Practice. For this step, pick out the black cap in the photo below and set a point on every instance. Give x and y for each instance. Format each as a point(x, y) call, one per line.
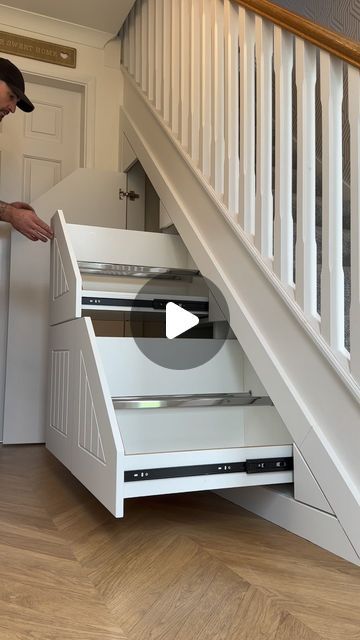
point(15, 81)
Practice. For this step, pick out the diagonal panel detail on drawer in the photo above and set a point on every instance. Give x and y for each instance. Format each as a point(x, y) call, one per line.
point(89, 437)
point(60, 284)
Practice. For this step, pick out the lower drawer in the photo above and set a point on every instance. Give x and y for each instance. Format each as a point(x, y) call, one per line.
point(181, 449)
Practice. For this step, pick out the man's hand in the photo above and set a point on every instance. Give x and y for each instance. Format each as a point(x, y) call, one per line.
point(24, 219)
point(21, 205)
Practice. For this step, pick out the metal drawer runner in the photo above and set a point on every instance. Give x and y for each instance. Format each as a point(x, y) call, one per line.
point(191, 400)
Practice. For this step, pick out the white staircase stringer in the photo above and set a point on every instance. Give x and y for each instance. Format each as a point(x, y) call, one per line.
point(319, 406)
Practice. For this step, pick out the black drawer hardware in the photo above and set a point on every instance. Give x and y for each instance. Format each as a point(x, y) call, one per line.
point(196, 307)
point(269, 464)
point(263, 465)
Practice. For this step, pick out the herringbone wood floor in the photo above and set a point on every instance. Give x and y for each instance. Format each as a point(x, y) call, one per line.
point(186, 567)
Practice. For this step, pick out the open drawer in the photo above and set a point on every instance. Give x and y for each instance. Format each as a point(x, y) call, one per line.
point(128, 427)
point(102, 269)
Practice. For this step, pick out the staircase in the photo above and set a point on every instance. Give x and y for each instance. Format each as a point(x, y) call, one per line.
point(200, 79)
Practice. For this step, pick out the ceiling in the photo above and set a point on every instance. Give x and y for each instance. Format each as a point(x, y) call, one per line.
point(103, 15)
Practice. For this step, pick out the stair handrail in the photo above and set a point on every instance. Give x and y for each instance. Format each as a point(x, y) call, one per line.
point(335, 43)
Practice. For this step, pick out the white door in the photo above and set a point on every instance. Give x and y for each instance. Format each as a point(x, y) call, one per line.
point(40, 148)
point(37, 150)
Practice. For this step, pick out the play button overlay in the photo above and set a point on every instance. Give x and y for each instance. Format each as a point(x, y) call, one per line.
point(179, 323)
point(178, 320)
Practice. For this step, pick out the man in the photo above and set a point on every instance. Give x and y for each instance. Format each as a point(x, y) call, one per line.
point(19, 214)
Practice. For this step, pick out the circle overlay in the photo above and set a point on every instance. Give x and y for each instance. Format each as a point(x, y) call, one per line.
point(192, 348)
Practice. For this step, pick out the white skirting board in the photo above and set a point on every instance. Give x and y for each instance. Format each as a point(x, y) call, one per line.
point(279, 506)
point(306, 489)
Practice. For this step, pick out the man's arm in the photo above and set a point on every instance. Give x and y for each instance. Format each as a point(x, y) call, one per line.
point(24, 219)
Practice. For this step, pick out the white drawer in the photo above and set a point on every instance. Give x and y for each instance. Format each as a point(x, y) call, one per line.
point(181, 449)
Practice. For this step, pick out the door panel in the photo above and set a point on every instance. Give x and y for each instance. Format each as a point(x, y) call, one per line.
point(39, 176)
point(45, 123)
point(50, 133)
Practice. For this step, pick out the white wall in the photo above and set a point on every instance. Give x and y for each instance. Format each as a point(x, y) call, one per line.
point(98, 71)
point(92, 66)
point(85, 196)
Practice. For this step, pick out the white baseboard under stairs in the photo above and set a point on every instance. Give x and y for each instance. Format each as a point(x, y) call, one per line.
point(279, 506)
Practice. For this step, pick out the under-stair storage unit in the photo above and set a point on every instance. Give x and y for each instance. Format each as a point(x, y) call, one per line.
point(123, 424)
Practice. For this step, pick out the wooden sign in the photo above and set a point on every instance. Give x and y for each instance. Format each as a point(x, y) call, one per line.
point(37, 49)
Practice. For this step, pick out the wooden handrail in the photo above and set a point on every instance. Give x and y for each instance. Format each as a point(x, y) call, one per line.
point(338, 45)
